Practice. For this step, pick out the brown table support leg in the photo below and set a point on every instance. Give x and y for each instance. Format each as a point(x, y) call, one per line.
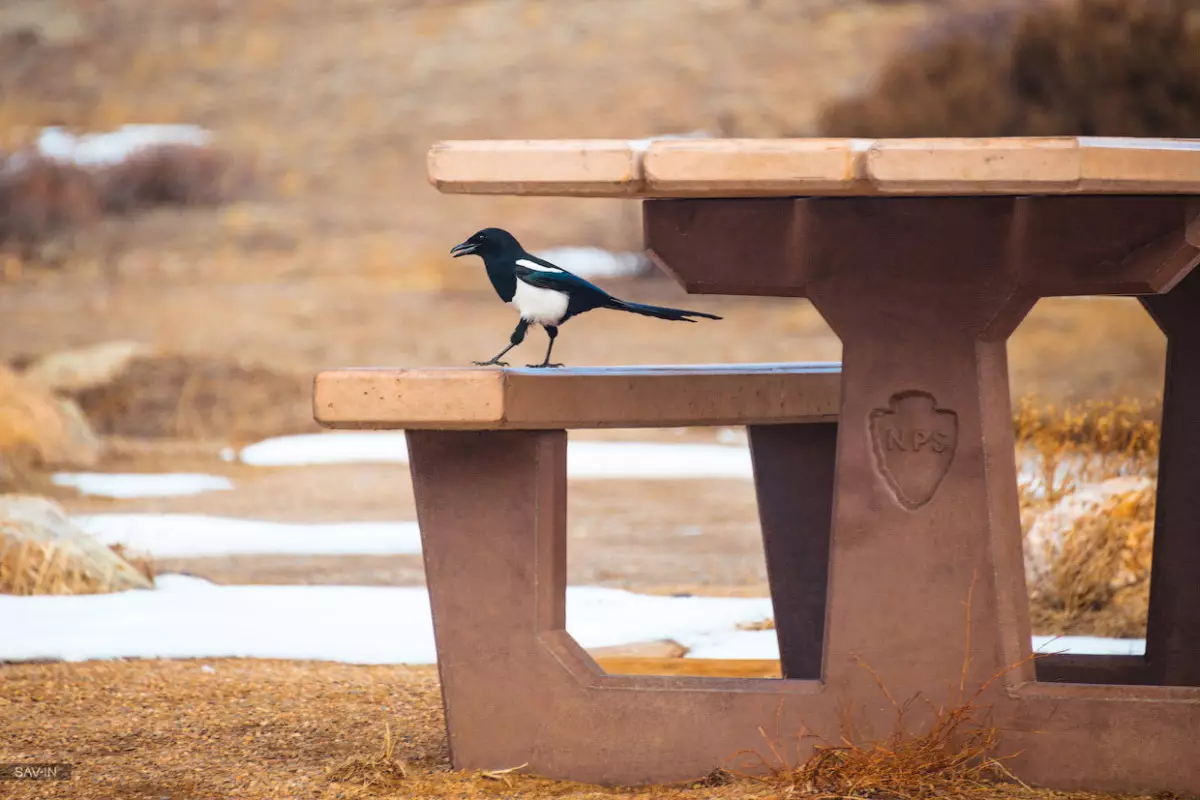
point(1173, 635)
point(925, 513)
point(923, 293)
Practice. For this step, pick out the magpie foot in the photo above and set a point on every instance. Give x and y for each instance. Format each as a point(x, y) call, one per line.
point(543, 366)
point(492, 363)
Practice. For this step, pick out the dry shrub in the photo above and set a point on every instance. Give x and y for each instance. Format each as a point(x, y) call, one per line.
point(43, 568)
point(956, 755)
point(38, 429)
point(1091, 68)
point(954, 758)
point(1096, 576)
point(1087, 441)
point(1128, 428)
point(1098, 581)
point(41, 200)
point(193, 397)
point(167, 175)
point(381, 771)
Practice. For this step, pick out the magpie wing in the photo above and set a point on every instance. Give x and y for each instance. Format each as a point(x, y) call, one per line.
point(544, 275)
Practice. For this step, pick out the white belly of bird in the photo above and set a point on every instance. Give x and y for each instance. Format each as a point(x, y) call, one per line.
point(543, 306)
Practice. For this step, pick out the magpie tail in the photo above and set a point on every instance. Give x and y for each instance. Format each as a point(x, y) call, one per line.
point(661, 312)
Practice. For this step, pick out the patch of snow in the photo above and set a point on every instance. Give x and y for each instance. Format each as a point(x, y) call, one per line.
point(601, 617)
point(342, 447)
point(585, 460)
point(197, 535)
point(594, 262)
point(733, 644)
point(191, 618)
point(113, 147)
point(1090, 645)
point(131, 485)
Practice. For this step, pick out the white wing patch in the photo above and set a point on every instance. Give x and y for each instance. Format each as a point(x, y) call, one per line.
point(541, 306)
point(536, 267)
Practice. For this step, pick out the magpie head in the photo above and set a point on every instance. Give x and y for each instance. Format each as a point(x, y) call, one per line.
point(488, 242)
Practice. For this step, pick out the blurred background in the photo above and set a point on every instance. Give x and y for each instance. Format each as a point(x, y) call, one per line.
point(202, 202)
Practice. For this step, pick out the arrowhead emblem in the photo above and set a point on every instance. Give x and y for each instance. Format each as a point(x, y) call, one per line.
point(914, 443)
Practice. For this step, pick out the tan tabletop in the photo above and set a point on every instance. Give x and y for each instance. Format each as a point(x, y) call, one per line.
point(781, 167)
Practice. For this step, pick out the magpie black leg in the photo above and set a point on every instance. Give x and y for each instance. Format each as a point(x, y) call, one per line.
point(552, 332)
point(518, 336)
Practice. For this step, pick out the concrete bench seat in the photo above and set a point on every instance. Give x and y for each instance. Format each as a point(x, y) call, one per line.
point(577, 397)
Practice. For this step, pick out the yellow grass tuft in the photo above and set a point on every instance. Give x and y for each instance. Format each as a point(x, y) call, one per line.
point(380, 771)
point(47, 568)
point(1107, 439)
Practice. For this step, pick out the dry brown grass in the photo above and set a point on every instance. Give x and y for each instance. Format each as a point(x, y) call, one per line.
point(48, 568)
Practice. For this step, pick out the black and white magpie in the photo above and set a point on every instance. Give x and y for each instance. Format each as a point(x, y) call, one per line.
point(543, 293)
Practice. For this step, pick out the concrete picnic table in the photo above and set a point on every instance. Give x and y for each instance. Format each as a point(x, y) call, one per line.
point(899, 561)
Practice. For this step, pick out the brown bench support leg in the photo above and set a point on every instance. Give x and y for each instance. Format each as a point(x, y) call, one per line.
point(492, 510)
point(517, 688)
point(793, 478)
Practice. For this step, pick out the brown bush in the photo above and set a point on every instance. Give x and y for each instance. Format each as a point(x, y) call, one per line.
point(194, 397)
point(166, 175)
point(41, 199)
point(1089, 68)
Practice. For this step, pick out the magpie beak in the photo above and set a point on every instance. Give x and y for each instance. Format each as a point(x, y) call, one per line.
point(464, 249)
